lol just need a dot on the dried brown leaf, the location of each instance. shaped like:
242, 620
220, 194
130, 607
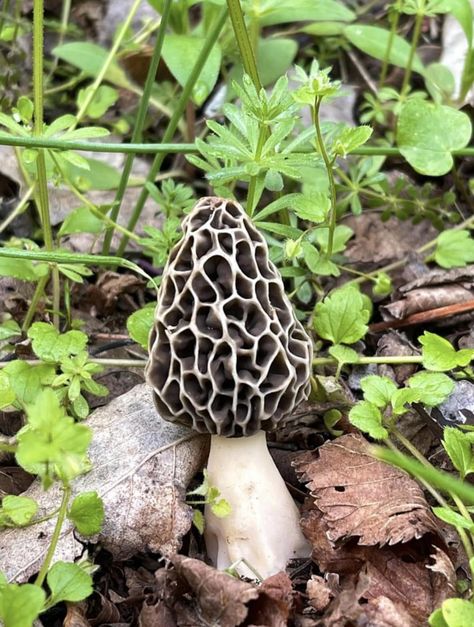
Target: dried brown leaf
363, 497
274, 602
75, 615
220, 599
141, 466
319, 593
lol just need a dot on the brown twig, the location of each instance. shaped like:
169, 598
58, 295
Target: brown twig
424, 317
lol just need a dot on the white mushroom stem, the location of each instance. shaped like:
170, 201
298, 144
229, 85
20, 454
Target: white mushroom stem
263, 527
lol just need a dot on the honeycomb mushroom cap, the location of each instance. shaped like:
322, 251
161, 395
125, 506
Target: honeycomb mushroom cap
227, 355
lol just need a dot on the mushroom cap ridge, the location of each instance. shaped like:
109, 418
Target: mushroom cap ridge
227, 355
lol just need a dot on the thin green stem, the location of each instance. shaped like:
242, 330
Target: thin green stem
21, 206
251, 200
394, 19
174, 148
139, 124
414, 43
107, 63
38, 294
173, 123
363, 360
55, 537
245, 47
112, 363
329, 169
42, 183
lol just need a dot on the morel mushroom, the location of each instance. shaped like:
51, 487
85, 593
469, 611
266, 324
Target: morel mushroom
229, 358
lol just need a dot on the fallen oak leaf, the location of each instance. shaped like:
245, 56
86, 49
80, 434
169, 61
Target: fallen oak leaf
141, 466
362, 497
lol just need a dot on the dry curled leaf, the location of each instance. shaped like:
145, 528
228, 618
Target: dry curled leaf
362, 497
219, 598
141, 466
319, 593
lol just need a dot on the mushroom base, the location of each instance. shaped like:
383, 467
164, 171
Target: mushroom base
263, 527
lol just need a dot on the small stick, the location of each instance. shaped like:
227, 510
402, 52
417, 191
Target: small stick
423, 317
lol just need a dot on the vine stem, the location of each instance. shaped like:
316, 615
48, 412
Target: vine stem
394, 19
174, 121
251, 201
139, 124
118, 363
55, 537
243, 41
42, 183
107, 63
175, 148
362, 360
414, 43
329, 169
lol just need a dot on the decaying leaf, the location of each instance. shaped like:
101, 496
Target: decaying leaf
436, 288
319, 593
362, 497
219, 598
141, 466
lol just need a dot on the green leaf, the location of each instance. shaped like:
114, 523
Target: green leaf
434, 387
51, 346
51, 444
221, 508
27, 380
21, 605
311, 256
305, 10
350, 138
453, 518
90, 58
342, 234
22, 269
280, 229
104, 97
433, 476
180, 52
87, 513
378, 390
405, 396
462, 11
440, 82
68, 582
459, 449
458, 612
439, 354
81, 220
427, 133
454, 249
342, 317
9, 329
274, 57
368, 418
139, 325
198, 520
382, 285
343, 354
374, 41
7, 393
19, 509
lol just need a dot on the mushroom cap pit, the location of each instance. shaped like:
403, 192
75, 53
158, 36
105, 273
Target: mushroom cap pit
227, 355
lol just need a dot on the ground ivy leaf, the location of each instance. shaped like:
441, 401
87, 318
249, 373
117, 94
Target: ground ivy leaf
20, 605
87, 513
20, 509
27, 380
342, 316
458, 612
454, 249
344, 354
51, 346
68, 582
342, 235
7, 393
427, 133
459, 449
434, 387
139, 325
368, 418
378, 390
403, 397
439, 354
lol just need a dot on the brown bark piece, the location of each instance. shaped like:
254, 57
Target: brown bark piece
363, 497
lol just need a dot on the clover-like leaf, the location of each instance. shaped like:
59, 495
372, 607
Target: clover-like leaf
454, 249
68, 582
87, 513
439, 354
378, 390
368, 418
